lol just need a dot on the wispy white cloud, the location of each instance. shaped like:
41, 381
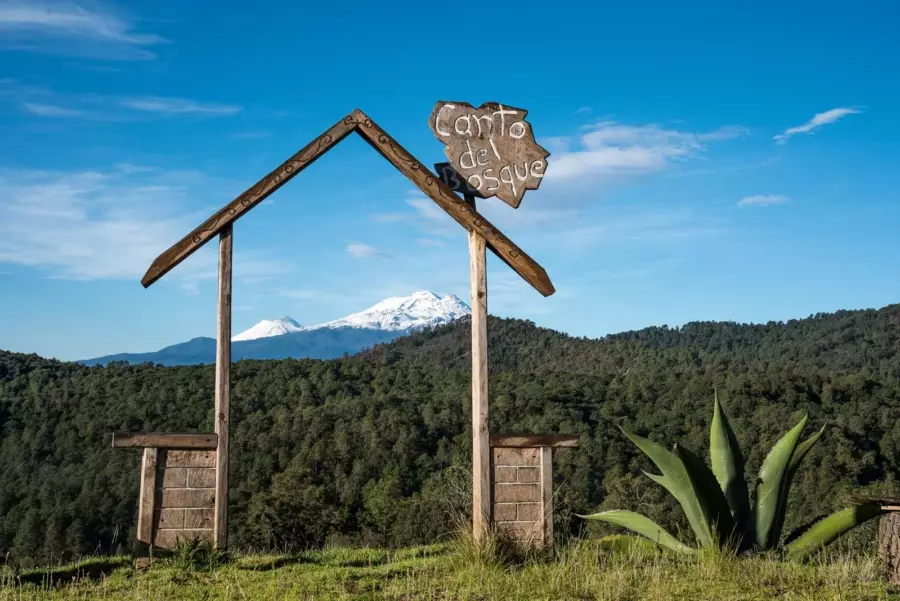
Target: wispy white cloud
70, 28
584, 110
44, 102
818, 120
432, 242
608, 147
51, 110
177, 106
763, 200
648, 227
358, 250
109, 225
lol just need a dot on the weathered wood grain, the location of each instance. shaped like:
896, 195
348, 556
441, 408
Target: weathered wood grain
534, 440
481, 448
547, 494
164, 440
223, 386
249, 199
147, 503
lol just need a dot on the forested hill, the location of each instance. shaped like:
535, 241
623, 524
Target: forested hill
843, 341
373, 448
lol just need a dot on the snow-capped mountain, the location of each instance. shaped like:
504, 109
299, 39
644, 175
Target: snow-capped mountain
269, 327
285, 338
421, 309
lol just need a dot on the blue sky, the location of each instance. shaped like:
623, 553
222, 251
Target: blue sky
735, 163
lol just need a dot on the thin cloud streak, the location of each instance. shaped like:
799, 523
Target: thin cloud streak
358, 250
176, 106
65, 28
818, 120
763, 200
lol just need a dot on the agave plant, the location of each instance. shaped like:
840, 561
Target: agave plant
716, 501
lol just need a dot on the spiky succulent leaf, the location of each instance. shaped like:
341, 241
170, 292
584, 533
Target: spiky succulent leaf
796, 459
727, 464
712, 499
642, 525
769, 485
827, 529
676, 480
626, 543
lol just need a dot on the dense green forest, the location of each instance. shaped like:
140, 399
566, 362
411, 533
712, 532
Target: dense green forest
375, 448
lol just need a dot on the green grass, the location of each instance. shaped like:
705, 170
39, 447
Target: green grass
455, 572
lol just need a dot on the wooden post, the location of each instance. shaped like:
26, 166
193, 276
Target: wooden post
147, 501
547, 495
481, 448
146, 508
223, 387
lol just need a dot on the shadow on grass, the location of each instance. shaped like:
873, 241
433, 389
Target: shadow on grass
274, 564
88, 572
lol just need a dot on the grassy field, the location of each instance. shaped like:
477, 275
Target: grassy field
450, 572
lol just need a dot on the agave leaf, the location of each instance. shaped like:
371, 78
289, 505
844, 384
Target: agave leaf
796, 459
642, 525
826, 530
728, 465
625, 543
712, 499
769, 485
676, 480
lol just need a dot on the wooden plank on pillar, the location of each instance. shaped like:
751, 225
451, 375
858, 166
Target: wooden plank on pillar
547, 494
147, 500
481, 447
534, 440
164, 440
223, 387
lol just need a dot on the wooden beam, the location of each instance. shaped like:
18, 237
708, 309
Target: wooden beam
481, 448
547, 495
163, 440
223, 387
147, 500
441, 194
534, 440
305, 157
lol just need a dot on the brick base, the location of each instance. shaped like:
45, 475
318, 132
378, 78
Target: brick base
185, 497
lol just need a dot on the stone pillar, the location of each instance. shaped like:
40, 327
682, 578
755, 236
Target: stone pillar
522, 487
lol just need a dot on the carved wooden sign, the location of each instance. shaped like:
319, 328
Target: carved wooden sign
492, 147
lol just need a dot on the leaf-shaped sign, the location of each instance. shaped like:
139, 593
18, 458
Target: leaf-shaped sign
492, 147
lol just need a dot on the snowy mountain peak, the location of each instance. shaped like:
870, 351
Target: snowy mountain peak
421, 309
269, 327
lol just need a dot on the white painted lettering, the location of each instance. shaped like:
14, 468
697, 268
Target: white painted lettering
468, 130
508, 180
537, 168
488, 175
437, 119
517, 130
481, 151
471, 156
524, 175
503, 112
476, 177
490, 124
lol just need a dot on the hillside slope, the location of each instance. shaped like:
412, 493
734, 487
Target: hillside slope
374, 447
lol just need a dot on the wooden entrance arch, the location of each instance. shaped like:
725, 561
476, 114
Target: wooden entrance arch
221, 224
